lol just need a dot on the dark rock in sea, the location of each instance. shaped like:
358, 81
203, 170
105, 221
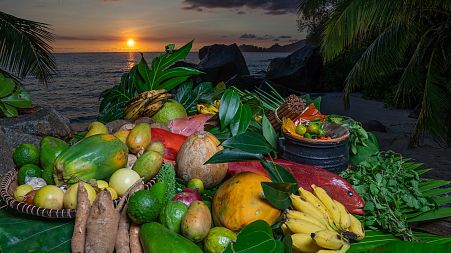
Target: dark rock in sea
247, 82
374, 126
29, 128
221, 62
299, 71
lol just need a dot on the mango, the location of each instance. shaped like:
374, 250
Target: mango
96, 128
139, 138
197, 222
157, 146
122, 135
148, 164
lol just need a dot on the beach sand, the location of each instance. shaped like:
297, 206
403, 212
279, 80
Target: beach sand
398, 126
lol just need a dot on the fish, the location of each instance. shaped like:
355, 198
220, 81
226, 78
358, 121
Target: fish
337, 187
189, 125
171, 141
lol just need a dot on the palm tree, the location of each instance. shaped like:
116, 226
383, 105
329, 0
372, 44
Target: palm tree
25, 49
412, 37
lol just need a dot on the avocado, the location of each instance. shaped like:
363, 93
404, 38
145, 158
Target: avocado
157, 238
172, 214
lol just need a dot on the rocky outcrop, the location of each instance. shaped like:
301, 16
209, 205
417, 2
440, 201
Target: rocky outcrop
221, 62
29, 128
299, 71
247, 82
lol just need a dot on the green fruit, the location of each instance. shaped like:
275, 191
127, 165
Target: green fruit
28, 170
301, 129
197, 221
308, 135
157, 238
51, 148
122, 179
22, 190
157, 146
172, 214
170, 110
321, 132
218, 239
26, 154
70, 196
148, 165
139, 138
159, 190
50, 197
313, 129
95, 157
196, 184
96, 128
143, 206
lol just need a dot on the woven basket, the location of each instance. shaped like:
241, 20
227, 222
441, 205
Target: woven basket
9, 184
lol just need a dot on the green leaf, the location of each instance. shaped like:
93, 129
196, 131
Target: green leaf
278, 194
230, 103
222, 135
255, 238
435, 192
22, 233
269, 133
441, 212
8, 110
431, 184
442, 200
20, 99
288, 244
172, 83
176, 72
277, 173
7, 86
241, 121
249, 142
143, 82
234, 155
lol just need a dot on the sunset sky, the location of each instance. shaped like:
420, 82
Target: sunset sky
107, 25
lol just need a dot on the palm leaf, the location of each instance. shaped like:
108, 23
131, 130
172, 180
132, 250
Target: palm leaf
24, 48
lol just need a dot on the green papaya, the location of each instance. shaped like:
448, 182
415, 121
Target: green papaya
95, 157
157, 238
51, 148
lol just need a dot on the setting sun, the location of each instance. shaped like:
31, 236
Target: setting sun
130, 43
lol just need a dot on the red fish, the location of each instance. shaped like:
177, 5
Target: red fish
189, 125
337, 187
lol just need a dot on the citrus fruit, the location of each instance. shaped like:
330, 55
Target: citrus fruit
122, 179
27, 171
170, 110
218, 239
70, 196
50, 197
301, 129
143, 206
47, 175
21, 191
196, 184
313, 129
308, 135
172, 214
26, 154
112, 192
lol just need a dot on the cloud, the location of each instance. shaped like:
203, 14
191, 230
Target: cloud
252, 36
284, 37
271, 7
248, 36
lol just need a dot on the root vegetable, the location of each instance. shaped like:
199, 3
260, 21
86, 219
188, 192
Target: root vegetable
135, 244
79, 234
123, 238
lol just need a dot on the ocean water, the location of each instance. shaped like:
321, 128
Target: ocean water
81, 78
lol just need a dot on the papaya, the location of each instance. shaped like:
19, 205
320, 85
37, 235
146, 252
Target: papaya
95, 157
157, 238
51, 148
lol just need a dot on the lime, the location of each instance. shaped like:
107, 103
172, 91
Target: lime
21, 191
308, 135
143, 206
218, 239
47, 175
26, 154
170, 110
313, 129
301, 129
28, 170
196, 184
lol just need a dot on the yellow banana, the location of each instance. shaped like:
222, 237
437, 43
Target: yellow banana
356, 228
162, 97
327, 251
307, 208
328, 202
151, 109
303, 227
312, 199
300, 216
203, 109
217, 103
345, 220
328, 239
285, 229
304, 243
146, 95
212, 108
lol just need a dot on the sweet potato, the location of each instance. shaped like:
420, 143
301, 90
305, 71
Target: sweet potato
135, 244
123, 238
79, 234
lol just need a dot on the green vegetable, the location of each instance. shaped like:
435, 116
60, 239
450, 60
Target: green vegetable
389, 185
157, 238
166, 175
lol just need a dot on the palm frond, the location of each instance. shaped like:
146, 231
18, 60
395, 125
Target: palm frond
385, 54
25, 49
435, 102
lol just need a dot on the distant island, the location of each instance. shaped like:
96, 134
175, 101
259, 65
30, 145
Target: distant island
274, 48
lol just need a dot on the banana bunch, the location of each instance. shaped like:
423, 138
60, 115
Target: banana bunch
146, 104
208, 109
318, 223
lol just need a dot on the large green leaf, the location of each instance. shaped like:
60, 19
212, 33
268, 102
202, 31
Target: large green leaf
277, 173
8, 111
21, 233
176, 72
234, 155
7, 86
278, 194
441, 212
241, 121
189, 97
249, 142
269, 133
230, 102
20, 98
256, 237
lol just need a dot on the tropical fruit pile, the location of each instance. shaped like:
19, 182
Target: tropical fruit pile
318, 223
